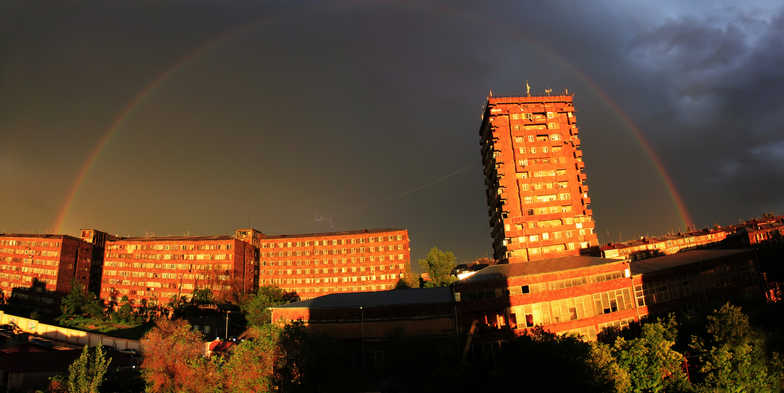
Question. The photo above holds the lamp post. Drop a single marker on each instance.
(362, 316)
(227, 323)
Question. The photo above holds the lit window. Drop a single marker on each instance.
(530, 138)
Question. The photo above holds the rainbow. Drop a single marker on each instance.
(140, 97)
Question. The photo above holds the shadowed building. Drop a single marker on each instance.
(536, 192)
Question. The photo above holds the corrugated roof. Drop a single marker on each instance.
(395, 297)
(679, 259)
(502, 272)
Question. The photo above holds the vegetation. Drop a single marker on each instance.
(438, 265)
(256, 309)
(85, 375)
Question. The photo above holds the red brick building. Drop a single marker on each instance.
(321, 263)
(34, 267)
(159, 269)
(536, 192)
(572, 294)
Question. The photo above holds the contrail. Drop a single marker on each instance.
(375, 203)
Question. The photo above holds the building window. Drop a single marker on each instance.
(530, 138)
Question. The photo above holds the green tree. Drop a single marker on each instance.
(305, 362)
(80, 301)
(85, 375)
(251, 365)
(409, 279)
(203, 296)
(438, 265)
(734, 359)
(649, 360)
(257, 311)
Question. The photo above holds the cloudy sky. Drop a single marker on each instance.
(201, 117)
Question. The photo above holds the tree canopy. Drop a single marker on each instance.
(257, 307)
(438, 265)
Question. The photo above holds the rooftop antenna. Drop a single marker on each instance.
(491, 93)
(548, 91)
(527, 88)
(567, 91)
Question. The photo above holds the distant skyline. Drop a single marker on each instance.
(201, 117)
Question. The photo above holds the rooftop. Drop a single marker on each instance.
(679, 259)
(173, 238)
(502, 272)
(323, 234)
(395, 297)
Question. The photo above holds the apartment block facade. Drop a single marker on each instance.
(536, 192)
(160, 269)
(317, 264)
(33, 267)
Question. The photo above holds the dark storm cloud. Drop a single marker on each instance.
(723, 128)
(326, 107)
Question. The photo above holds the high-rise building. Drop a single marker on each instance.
(536, 192)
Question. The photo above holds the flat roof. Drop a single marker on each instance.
(678, 259)
(172, 238)
(322, 234)
(506, 271)
(395, 297)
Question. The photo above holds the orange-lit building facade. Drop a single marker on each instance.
(33, 267)
(536, 192)
(160, 269)
(314, 265)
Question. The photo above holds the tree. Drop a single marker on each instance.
(80, 301)
(251, 365)
(202, 296)
(438, 265)
(734, 360)
(305, 362)
(257, 310)
(409, 280)
(173, 360)
(85, 375)
(649, 360)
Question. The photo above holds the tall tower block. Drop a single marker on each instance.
(536, 192)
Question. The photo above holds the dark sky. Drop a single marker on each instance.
(366, 113)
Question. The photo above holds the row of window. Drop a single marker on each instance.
(158, 266)
(333, 242)
(334, 251)
(319, 280)
(334, 261)
(29, 252)
(654, 292)
(539, 287)
(332, 289)
(28, 243)
(164, 247)
(541, 186)
(210, 257)
(352, 269)
(536, 149)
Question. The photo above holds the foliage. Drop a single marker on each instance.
(173, 359)
(409, 279)
(251, 365)
(438, 265)
(734, 358)
(85, 375)
(649, 360)
(257, 308)
(203, 296)
(80, 302)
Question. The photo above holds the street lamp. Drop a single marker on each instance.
(227, 323)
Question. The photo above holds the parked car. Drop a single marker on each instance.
(41, 342)
(8, 328)
(130, 351)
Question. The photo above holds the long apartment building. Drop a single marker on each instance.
(536, 192)
(159, 269)
(322, 263)
(33, 267)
